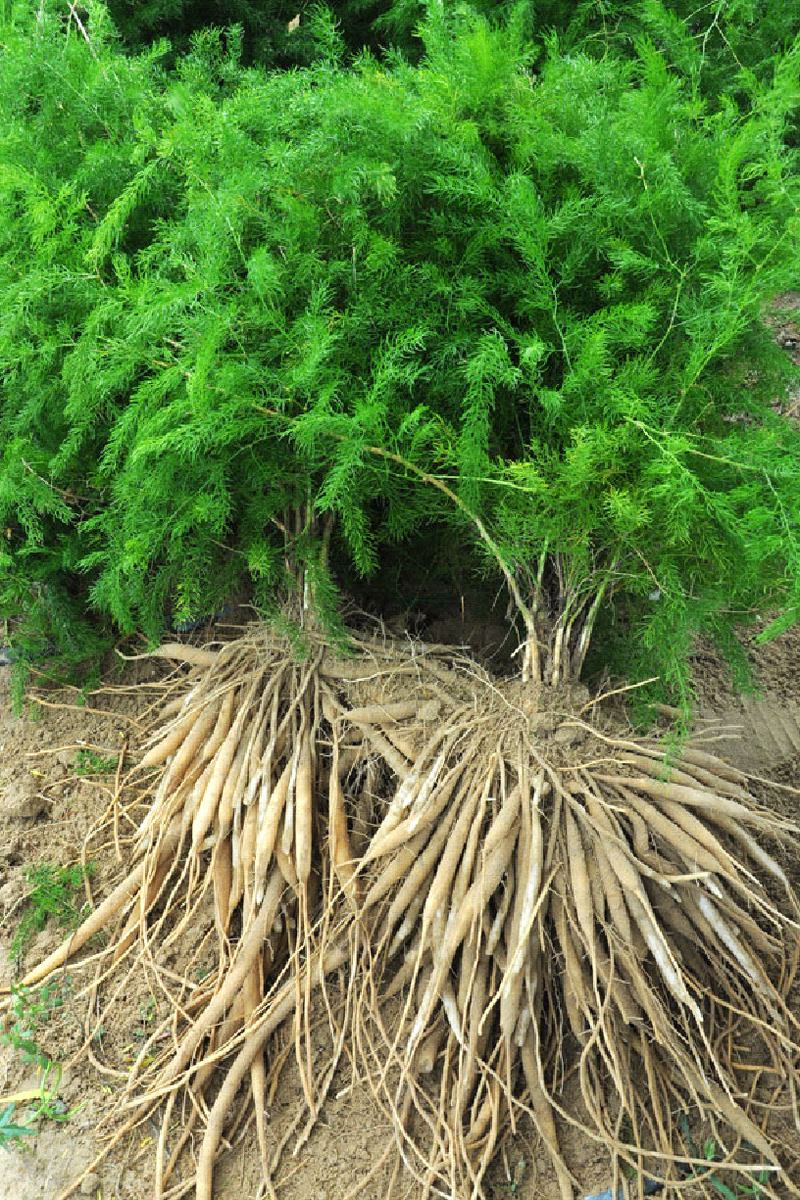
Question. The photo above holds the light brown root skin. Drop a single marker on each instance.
(123, 893)
(280, 1008)
(516, 864)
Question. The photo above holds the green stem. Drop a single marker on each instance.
(434, 481)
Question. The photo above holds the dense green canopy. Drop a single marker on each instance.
(532, 270)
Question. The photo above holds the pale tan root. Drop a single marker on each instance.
(528, 904)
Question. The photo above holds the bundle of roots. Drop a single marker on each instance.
(506, 887)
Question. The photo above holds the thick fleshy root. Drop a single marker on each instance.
(592, 889)
(521, 880)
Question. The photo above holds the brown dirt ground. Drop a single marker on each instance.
(48, 811)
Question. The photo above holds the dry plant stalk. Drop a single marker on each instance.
(527, 884)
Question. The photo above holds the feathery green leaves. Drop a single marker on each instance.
(231, 295)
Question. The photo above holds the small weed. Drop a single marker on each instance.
(147, 1011)
(47, 1106)
(30, 1010)
(11, 1135)
(753, 1189)
(757, 1186)
(515, 1181)
(50, 896)
(87, 763)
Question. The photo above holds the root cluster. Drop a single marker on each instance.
(505, 890)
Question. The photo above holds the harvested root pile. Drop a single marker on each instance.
(589, 887)
(517, 878)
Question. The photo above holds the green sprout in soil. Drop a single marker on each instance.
(30, 1010)
(752, 1189)
(88, 763)
(50, 896)
(514, 1182)
(11, 1134)
(45, 1106)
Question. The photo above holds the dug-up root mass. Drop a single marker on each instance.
(488, 886)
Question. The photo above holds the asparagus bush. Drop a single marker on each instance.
(230, 294)
(258, 322)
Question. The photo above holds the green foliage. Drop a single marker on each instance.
(238, 301)
(721, 47)
(261, 32)
(89, 763)
(11, 1134)
(727, 50)
(50, 896)
(45, 1107)
(31, 1008)
(755, 1183)
(53, 83)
